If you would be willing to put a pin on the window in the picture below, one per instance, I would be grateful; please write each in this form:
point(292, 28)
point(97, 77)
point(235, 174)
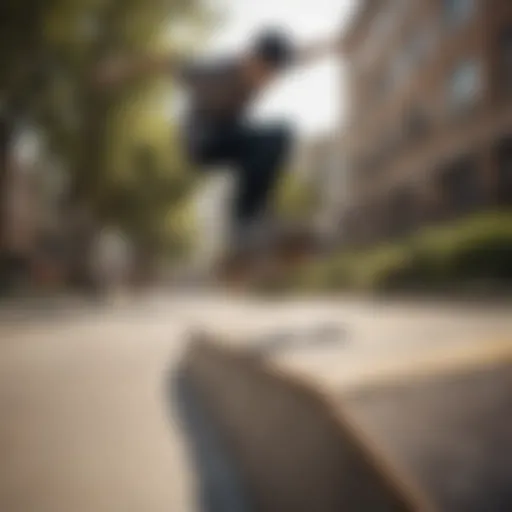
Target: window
point(402, 212)
point(464, 85)
point(462, 187)
point(457, 12)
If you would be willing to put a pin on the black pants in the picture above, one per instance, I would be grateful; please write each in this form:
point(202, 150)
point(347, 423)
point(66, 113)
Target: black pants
point(257, 155)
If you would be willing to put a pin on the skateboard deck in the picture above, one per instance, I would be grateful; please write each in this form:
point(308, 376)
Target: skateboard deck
point(279, 251)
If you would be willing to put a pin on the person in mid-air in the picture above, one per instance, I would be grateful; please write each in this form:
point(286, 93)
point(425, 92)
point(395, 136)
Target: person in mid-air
point(217, 130)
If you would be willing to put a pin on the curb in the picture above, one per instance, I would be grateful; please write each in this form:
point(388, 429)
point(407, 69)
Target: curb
point(295, 449)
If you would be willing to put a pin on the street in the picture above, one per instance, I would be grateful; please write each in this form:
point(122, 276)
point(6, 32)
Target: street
point(86, 424)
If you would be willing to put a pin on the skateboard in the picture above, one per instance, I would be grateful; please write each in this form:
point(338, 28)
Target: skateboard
point(269, 257)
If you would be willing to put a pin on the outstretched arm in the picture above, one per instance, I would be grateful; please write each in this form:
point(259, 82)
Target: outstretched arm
point(316, 51)
point(122, 69)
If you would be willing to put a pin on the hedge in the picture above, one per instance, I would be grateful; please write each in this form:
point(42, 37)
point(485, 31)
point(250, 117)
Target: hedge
point(475, 249)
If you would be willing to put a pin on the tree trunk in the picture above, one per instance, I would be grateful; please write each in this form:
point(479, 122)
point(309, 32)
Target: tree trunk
point(5, 138)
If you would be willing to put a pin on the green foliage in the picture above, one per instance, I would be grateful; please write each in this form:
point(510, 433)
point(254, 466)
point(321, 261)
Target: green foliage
point(479, 247)
point(296, 199)
point(473, 249)
point(49, 51)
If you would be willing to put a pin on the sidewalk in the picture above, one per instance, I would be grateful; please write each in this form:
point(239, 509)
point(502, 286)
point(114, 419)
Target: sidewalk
point(452, 433)
point(26, 308)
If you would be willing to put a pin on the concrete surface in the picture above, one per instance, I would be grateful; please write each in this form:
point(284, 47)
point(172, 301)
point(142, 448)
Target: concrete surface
point(453, 434)
point(84, 427)
point(297, 450)
point(83, 401)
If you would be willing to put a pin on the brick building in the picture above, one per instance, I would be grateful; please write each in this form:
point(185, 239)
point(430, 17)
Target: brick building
point(429, 130)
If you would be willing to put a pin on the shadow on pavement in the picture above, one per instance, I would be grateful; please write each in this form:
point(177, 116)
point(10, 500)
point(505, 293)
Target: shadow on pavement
point(281, 340)
point(220, 487)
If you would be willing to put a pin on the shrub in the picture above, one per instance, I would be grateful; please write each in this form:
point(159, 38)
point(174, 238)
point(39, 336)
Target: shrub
point(473, 249)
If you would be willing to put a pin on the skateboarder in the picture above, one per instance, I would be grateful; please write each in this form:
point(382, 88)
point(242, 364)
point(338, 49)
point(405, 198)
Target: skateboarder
point(217, 130)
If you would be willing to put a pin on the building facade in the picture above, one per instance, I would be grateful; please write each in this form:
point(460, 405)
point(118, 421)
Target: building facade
point(429, 129)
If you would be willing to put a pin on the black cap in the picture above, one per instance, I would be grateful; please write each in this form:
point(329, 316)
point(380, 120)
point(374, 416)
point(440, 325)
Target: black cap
point(274, 47)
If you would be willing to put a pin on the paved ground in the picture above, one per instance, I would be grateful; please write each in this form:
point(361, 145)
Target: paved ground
point(84, 400)
point(378, 340)
point(84, 420)
point(453, 433)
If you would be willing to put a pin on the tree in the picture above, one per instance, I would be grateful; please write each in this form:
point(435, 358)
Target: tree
point(49, 49)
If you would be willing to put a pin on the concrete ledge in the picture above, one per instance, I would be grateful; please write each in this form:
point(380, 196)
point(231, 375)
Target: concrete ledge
point(295, 449)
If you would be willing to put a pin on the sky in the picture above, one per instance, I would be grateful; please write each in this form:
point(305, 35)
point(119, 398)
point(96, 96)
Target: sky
point(311, 98)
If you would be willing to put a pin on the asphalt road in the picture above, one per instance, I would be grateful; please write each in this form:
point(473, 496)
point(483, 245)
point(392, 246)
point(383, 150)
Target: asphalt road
point(84, 399)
